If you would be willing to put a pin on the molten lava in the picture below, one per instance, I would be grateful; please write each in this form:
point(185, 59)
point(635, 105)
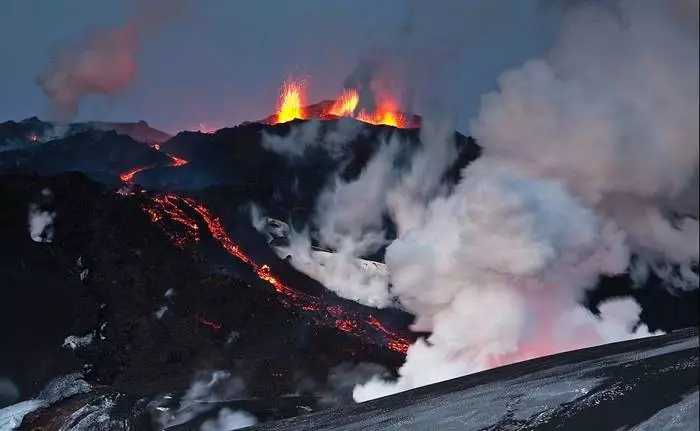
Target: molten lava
point(176, 161)
point(345, 105)
point(128, 176)
point(175, 214)
point(290, 107)
point(387, 114)
point(291, 102)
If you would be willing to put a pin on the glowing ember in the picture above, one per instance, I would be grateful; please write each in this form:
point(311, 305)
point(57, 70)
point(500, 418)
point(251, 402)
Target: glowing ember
point(215, 327)
point(346, 325)
point(291, 102)
point(164, 207)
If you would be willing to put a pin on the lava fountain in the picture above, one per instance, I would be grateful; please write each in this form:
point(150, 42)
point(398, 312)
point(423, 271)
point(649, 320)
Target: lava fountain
point(290, 106)
point(291, 102)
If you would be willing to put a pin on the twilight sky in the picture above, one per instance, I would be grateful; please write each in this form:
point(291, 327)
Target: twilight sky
point(221, 62)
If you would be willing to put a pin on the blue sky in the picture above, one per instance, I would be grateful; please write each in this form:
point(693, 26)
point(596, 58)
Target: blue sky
point(221, 62)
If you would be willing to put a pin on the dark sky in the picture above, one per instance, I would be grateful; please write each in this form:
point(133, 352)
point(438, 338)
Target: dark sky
point(221, 62)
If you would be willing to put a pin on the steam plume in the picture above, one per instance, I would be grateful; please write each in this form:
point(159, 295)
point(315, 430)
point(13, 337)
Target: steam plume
point(585, 154)
point(349, 217)
point(103, 61)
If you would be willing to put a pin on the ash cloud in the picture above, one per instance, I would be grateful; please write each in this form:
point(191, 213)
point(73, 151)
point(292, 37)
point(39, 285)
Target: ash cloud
point(585, 154)
point(104, 61)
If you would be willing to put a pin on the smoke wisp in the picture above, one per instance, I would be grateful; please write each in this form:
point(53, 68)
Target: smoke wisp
point(103, 61)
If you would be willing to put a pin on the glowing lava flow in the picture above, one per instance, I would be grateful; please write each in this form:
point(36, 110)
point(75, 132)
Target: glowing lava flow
point(291, 102)
point(346, 321)
point(164, 208)
point(128, 176)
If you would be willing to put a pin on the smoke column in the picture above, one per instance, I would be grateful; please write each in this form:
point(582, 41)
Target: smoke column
point(103, 61)
point(588, 155)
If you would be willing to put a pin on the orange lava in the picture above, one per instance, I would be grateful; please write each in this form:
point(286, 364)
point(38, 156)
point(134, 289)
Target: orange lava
point(344, 106)
point(346, 325)
point(291, 106)
point(291, 102)
point(387, 114)
point(176, 161)
point(346, 321)
point(128, 176)
point(166, 206)
point(169, 207)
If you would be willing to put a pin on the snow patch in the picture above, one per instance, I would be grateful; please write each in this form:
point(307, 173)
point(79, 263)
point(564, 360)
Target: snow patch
point(73, 341)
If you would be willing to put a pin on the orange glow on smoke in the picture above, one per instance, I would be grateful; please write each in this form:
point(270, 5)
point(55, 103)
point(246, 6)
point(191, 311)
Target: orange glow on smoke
point(291, 102)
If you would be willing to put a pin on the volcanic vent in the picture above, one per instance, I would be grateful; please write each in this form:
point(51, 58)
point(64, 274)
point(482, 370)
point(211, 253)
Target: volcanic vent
point(292, 106)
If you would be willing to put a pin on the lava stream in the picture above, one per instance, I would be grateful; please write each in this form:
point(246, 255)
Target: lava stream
point(128, 176)
point(345, 320)
point(169, 207)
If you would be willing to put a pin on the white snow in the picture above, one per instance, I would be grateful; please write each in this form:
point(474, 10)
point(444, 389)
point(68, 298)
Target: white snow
point(73, 341)
point(161, 312)
point(11, 416)
point(229, 420)
point(682, 416)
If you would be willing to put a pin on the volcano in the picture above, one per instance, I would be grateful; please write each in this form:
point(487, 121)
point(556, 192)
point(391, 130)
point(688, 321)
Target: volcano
point(291, 106)
point(153, 284)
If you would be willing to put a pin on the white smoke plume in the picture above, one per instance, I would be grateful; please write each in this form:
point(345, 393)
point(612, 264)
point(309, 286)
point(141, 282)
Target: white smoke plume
point(202, 396)
point(228, 420)
point(295, 144)
point(333, 139)
point(41, 220)
point(349, 216)
point(103, 61)
point(583, 151)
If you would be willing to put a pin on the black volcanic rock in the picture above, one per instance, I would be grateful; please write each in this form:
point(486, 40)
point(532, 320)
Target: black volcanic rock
point(130, 264)
point(33, 131)
point(102, 155)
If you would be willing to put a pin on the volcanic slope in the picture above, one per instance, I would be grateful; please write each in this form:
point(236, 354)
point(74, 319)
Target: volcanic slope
point(154, 314)
point(162, 272)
